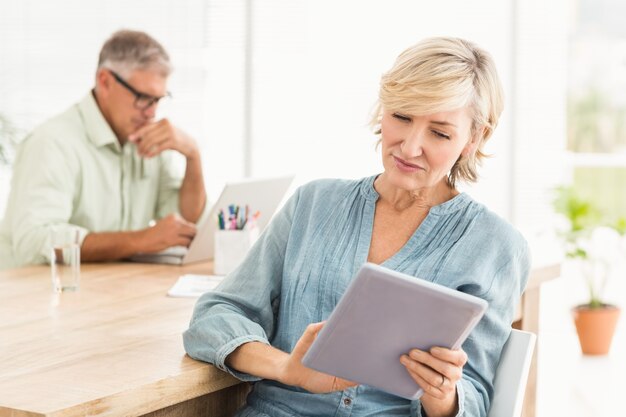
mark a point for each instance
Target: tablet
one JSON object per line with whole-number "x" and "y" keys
{"x": 384, "y": 314}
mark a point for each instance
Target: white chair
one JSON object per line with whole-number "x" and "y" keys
{"x": 511, "y": 375}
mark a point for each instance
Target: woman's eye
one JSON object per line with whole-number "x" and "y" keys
{"x": 441, "y": 134}
{"x": 402, "y": 117}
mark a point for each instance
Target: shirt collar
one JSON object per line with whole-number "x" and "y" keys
{"x": 98, "y": 130}
{"x": 458, "y": 202}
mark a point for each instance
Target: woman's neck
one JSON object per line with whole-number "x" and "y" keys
{"x": 422, "y": 199}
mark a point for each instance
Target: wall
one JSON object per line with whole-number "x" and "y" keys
{"x": 313, "y": 68}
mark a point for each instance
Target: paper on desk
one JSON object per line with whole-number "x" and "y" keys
{"x": 191, "y": 285}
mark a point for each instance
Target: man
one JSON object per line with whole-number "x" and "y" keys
{"x": 105, "y": 165}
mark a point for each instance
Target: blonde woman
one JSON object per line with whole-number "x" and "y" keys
{"x": 438, "y": 105}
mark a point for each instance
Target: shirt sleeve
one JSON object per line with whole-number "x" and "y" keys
{"x": 170, "y": 181}
{"x": 244, "y": 306}
{"x": 484, "y": 345}
{"x": 43, "y": 188}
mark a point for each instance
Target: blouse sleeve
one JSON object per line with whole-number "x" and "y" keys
{"x": 485, "y": 343}
{"x": 244, "y": 306}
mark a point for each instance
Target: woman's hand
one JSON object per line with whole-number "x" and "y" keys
{"x": 437, "y": 373}
{"x": 296, "y": 374}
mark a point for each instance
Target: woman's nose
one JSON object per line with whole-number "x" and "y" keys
{"x": 412, "y": 144}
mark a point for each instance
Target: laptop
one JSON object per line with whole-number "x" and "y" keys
{"x": 263, "y": 195}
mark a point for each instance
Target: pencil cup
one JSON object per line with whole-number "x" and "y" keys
{"x": 65, "y": 258}
{"x": 231, "y": 247}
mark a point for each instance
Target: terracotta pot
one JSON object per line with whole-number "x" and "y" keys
{"x": 595, "y": 327}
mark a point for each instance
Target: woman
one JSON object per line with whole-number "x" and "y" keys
{"x": 437, "y": 106}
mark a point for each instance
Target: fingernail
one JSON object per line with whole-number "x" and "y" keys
{"x": 436, "y": 351}
{"x": 415, "y": 353}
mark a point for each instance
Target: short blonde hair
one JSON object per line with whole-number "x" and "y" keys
{"x": 444, "y": 74}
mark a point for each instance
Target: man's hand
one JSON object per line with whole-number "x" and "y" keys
{"x": 169, "y": 231}
{"x": 155, "y": 137}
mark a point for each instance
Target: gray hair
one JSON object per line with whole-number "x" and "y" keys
{"x": 129, "y": 50}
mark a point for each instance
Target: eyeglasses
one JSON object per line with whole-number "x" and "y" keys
{"x": 143, "y": 101}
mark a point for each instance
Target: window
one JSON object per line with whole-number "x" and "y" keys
{"x": 596, "y": 127}
{"x": 50, "y": 50}
{"x": 287, "y": 86}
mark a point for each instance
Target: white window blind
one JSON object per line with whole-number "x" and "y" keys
{"x": 49, "y": 51}
{"x": 301, "y": 87}
{"x": 317, "y": 67}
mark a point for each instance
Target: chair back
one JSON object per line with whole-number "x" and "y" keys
{"x": 512, "y": 374}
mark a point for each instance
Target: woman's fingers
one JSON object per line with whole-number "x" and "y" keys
{"x": 451, "y": 367}
{"x": 426, "y": 373}
{"x": 340, "y": 384}
{"x": 436, "y": 371}
{"x": 307, "y": 378}
{"x": 437, "y": 391}
{"x": 457, "y": 357}
{"x": 306, "y": 340}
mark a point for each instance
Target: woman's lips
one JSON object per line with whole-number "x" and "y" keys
{"x": 402, "y": 165}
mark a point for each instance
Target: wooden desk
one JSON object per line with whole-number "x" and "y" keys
{"x": 115, "y": 349}
{"x": 112, "y": 349}
{"x": 527, "y": 318}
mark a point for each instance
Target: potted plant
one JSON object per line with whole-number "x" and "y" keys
{"x": 597, "y": 247}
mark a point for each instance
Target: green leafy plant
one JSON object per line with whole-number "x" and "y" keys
{"x": 595, "y": 123}
{"x": 597, "y": 243}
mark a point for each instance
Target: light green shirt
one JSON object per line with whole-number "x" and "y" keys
{"x": 72, "y": 170}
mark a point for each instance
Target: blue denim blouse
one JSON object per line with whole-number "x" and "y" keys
{"x": 297, "y": 271}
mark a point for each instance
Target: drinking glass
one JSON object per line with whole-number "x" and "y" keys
{"x": 65, "y": 258}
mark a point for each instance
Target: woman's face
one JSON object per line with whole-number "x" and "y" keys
{"x": 419, "y": 151}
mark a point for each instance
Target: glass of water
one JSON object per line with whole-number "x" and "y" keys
{"x": 65, "y": 258}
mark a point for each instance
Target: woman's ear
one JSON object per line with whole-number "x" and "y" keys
{"x": 470, "y": 147}
{"x": 477, "y": 138}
